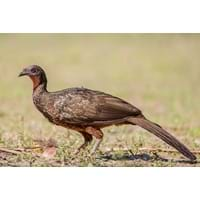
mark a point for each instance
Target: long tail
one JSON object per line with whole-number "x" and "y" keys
{"x": 162, "y": 134}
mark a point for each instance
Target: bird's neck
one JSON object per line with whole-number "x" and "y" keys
{"x": 39, "y": 90}
{"x": 38, "y": 86}
{"x": 39, "y": 82}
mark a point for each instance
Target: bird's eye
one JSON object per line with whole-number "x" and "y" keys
{"x": 34, "y": 70}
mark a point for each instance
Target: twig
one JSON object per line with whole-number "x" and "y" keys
{"x": 17, "y": 151}
{"x": 9, "y": 151}
{"x": 27, "y": 149}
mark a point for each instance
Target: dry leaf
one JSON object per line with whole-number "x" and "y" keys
{"x": 49, "y": 152}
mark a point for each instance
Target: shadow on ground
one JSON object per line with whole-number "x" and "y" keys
{"x": 128, "y": 156}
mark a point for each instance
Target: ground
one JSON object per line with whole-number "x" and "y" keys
{"x": 158, "y": 73}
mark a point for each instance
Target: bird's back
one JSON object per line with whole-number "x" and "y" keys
{"x": 83, "y": 106}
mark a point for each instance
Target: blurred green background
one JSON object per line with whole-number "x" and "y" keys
{"x": 158, "y": 73}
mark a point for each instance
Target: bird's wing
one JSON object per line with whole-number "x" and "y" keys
{"x": 80, "y": 105}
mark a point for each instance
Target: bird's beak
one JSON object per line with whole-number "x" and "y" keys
{"x": 23, "y": 73}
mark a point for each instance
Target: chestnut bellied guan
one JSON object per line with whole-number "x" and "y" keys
{"x": 88, "y": 111}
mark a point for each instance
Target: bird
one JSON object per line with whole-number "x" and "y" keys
{"x": 88, "y": 112}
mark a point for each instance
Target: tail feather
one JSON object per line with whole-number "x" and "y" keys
{"x": 164, "y": 135}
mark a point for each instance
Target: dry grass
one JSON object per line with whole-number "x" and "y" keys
{"x": 157, "y": 73}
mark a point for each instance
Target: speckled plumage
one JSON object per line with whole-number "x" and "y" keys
{"x": 87, "y": 111}
{"x": 82, "y": 107}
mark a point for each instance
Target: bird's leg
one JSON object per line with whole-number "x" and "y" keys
{"x": 87, "y": 141}
{"x": 98, "y": 134}
{"x": 96, "y": 145}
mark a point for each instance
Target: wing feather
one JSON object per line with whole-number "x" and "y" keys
{"x": 80, "y": 105}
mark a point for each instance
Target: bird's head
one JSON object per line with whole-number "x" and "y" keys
{"x": 37, "y": 75}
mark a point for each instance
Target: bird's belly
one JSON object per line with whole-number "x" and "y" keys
{"x": 59, "y": 121}
{"x": 70, "y": 126}
{"x": 66, "y": 120}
